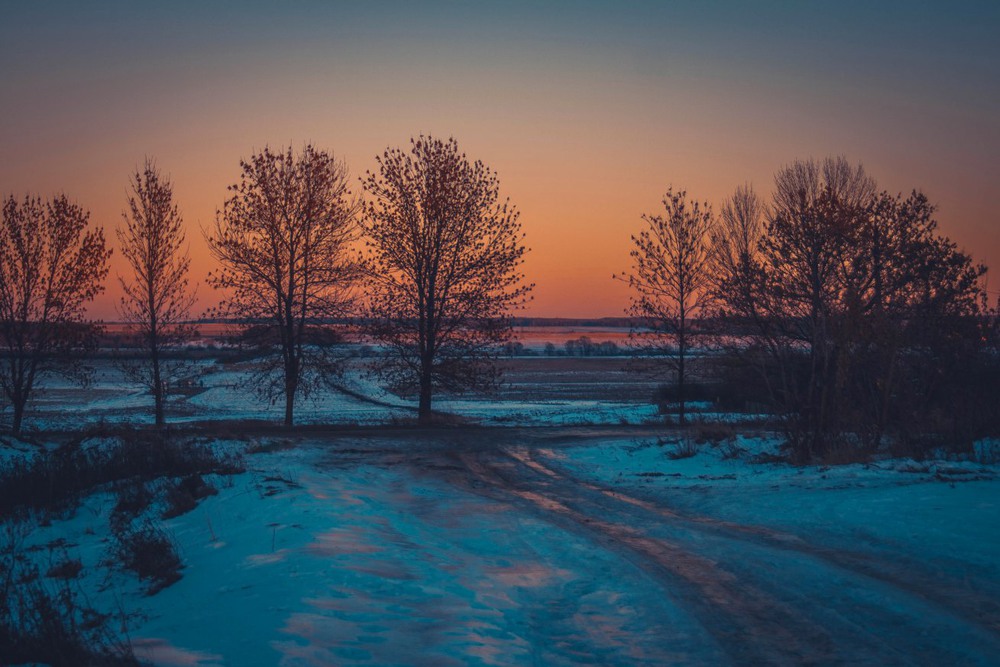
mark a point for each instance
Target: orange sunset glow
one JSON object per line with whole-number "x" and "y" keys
{"x": 511, "y": 333}
{"x": 587, "y": 115}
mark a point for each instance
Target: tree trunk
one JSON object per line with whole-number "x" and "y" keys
{"x": 681, "y": 353}
{"x": 18, "y": 405}
{"x": 424, "y": 408}
{"x": 680, "y": 386}
{"x": 289, "y": 407}
{"x": 291, "y": 386}
{"x": 157, "y": 390}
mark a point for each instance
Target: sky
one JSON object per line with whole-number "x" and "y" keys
{"x": 588, "y": 111}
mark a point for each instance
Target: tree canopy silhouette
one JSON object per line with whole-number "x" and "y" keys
{"x": 671, "y": 280}
{"x": 282, "y": 239}
{"x": 156, "y": 302}
{"x": 444, "y": 256}
{"x": 51, "y": 266}
{"x": 855, "y": 298}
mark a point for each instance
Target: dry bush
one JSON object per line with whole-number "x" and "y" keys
{"x": 731, "y": 450}
{"x": 43, "y": 621}
{"x": 148, "y": 551}
{"x": 684, "y": 448}
{"x": 59, "y": 479}
{"x": 134, "y": 498}
{"x": 183, "y": 496}
{"x": 67, "y": 569}
{"x": 714, "y": 433}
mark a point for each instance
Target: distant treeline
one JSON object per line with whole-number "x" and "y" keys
{"x": 577, "y": 347}
{"x": 597, "y": 322}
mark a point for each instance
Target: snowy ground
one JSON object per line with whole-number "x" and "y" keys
{"x": 556, "y": 532}
{"x": 221, "y": 392}
{"x": 560, "y": 546}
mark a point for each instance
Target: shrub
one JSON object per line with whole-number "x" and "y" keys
{"x": 183, "y": 496}
{"x": 149, "y": 552}
{"x": 684, "y": 448}
{"x": 713, "y": 433}
{"x": 731, "y": 450}
{"x": 67, "y": 569}
{"x": 133, "y": 499}
{"x": 44, "y": 622}
{"x": 58, "y": 479}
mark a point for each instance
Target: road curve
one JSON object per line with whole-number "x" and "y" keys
{"x": 765, "y": 596}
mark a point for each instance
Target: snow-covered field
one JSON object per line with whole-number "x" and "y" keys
{"x": 221, "y": 392}
{"x": 934, "y": 509}
{"x": 536, "y": 539}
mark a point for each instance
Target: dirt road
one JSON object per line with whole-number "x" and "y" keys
{"x": 764, "y": 596}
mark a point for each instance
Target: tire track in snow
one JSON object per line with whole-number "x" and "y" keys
{"x": 751, "y": 623}
{"x": 976, "y": 607}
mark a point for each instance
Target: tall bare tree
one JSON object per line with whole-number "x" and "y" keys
{"x": 857, "y": 303}
{"x": 671, "y": 277}
{"x": 444, "y": 259}
{"x": 283, "y": 239}
{"x": 735, "y": 243}
{"x": 51, "y": 266}
{"x": 808, "y": 253}
{"x": 156, "y": 301}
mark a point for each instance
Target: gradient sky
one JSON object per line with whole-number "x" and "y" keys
{"x": 588, "y": 111}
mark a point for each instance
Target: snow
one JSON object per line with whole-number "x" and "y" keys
{"x": 287, "y": 565}
{"x": 223, "y": 394}
{"x": 392, "y": 549}
{"x": 300, "y": 561}
{"x": 936, "y": 509}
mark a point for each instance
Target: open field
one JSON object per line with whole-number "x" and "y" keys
{"x": 537, "y": 390}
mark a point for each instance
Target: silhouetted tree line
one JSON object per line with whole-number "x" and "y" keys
{"x": 439, "y": 274}
{"x": 583, "y": 347}
{"x": 864, "y": 326}
{"x": 835, "y": 306}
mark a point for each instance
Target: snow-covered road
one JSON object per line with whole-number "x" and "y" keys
{"x": 561, "y": 546}
{"x": 761, "y": 596}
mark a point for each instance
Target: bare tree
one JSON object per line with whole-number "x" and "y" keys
{"x": 808, "y": 255}
{"x": 51, "y": 266}
{"x": 735, "y": 244}
{"x": 739, "y": 302}
{"x": 444, "y": 258}
{"x": 156, "y": 302}
{"x": 283, "y": 239}
{"x": 918, "y": 302}
{"x": 671, "y": 277}
{"x": 856, "y": 301}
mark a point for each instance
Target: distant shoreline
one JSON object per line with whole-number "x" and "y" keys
{"x": 517, "y": 322}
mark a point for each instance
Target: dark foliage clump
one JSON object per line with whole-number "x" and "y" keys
{"x": 183, "y": 495}
{"x": 714, "y": 433}
{"x": 58, "y": 479}
{"x": 133, "y": 499}
{"x": 730, "y": 397}
{"x": 740, "y": 383}
{"x": 67, "y": 569}
{"x": 585, "y": 347}
{"x": 149, "y": 552}
{"x": 43, "y": 620}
